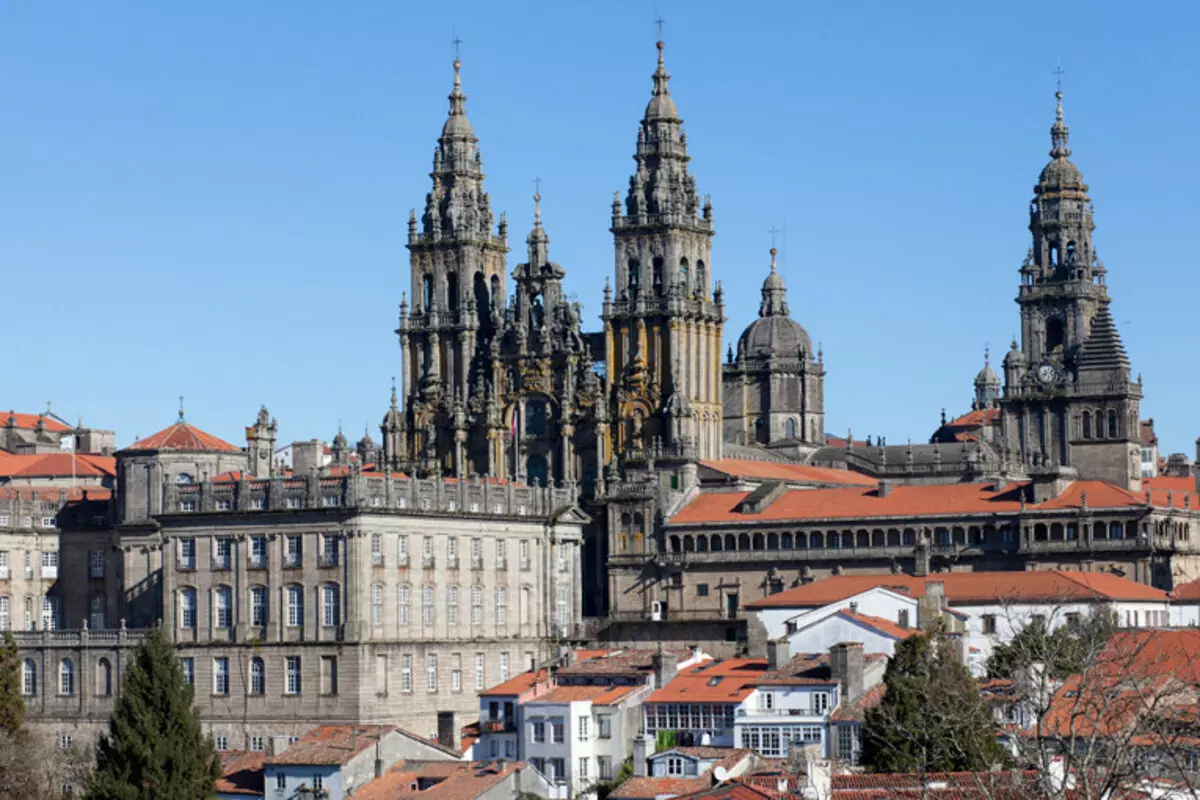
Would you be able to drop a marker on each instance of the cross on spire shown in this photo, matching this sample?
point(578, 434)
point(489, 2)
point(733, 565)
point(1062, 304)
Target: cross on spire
point(456, 42)
point(537, 185)
point(773, 231)
point(659, 22)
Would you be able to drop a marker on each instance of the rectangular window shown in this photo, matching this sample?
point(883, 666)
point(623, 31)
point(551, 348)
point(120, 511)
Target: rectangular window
point(604, 726)
point(377, 604)
point(605, 765)
point(222, 552)
point(427, 605)
point(477, 554)
point(583, 728)
point(989, 624)
point(189, 670)
point(820, 703)
point(501, 607)
point(406, 673)
point(1073, 621)
point(223, 602)
point(402, 551)
point(479, 677)
point(501, 554)
point(280, 782)
point(331, 605)
point(456, 673)
point(293, 555)
point(50, 616)
point(583, 768)
point(377, 549)
point(902, 618)
point(221, 675)
point(318, 782)
point(291, 672)
point(452, 605)
point(187, 553)
point(431, 672)
point(476, 605)
point(295, 606)
point(539, 731)
point(556, 727)
point(4, 613)
point(95, 564)
point(257, 744)
point(427, 551)
point(258, 605)
point(523, 549)
point(503, 667)
point(50, 564)
point(702, 590)
point(329, 675)
point(452, 552)
point(3, 565)
point(402, 605)
point(258, 552)
point(329, 550)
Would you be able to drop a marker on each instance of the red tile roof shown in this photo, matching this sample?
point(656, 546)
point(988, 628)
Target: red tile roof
point(56, 465)
point(598, 695)
point(518, 685)
point(89, 493)
point(443, 780)
point(331, 744)
point(856, 711)
point(972, 587)
point(733, 791)
point(721, 681)
point(840, 441)
point(976, 418)
point(241, 772)
point(619, 662)
point(1187, 591)
point(652, 787)
point(182, 436)
point(1179, 484)
point(799, 473)
point(879, 624)
point(30, 421)
point(945, 785)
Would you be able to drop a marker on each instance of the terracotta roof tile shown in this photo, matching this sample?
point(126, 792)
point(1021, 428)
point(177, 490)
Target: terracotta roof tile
point(78, 494)
point(331, 744)
point(879, 624)
point(652, 787)
point(856, 710)
point(241, 772)
point(598, 695)
point(947, 785)
point(971, 587)
point(733, 791)
point(182, 436)
point(56, 465)
point(976, 418)
point(1187, 591)
point(801, 473)
point(619, 662)
point(30, 421)
point(721, 681)
point(518, 685)
point(438, 780)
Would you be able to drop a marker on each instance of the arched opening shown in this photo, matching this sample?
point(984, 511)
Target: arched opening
point(863, 539)
point(535, 417)
point(452, 291)
point(483, 306)
point(701, 279)
point(760, 430)
point(743, 541)
point(909, 537)
point(626, 521)
point(878, 539)
point(639, 522)
point(258, 676)
point(66, 677)
point(497, 294)
point(1039, 532)
point(1116, 530)
point(772, 541)
point(730, 542)
point(1056, 532)
point(893, 537)
point(701, 544)
point(757, 542)
point(673, 544)
point(1087, 425)
point(1099, 531)
point(684, 276)
point(960, 535)
point(689, 544)
point(816, 540)
point(1070, 257)
point(790, 428)
point(1113, 432)
point(29, 677)
point(634, 275)
point(833, 540)
point(715, 543)
point(785, 541)
point(427, 291)
point(1054, 335)
point(537, 470)
point(847, 539)
point(658, 275)
point(103, 678)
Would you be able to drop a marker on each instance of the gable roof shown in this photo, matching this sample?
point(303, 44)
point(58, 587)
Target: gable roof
point(332, 744)
point(444, 780)
point(241, 772)
point(30, 421)
point(795, 473)
point(972, 587)
point(600, 695)
point(877, 624)
point(184, 437)
point(56, 465)
point(718, 681)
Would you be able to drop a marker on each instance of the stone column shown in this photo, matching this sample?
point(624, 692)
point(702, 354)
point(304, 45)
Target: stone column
point(241, 595)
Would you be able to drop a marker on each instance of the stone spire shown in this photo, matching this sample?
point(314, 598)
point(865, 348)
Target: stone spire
point(774, 293)
point(1059, 133)
point(538, 240)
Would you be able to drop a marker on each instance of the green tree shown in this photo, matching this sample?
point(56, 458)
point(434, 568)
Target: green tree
point(12, 707)
point(932, 718)
point(154, 748)
point(1066, 650)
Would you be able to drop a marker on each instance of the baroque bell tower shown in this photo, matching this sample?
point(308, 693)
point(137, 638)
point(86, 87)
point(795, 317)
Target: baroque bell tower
point(663, 327)
point(1068, 399)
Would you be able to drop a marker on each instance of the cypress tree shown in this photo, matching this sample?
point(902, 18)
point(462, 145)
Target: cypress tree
point(154, 748)
point(12, 706)
point(932, 718)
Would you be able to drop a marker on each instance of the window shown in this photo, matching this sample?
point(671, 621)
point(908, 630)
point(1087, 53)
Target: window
point(329, 550)
point(476, 605)
point(605, 765)
point(103, 686)
point(223, 607)
point(258, 552)
point(479, 677)
point(583, 728)
point(766, 700)
point(221, 675)
point(820, 702)
point(50, 615)
point(29, 678)
point(220, 742)
point(452, 605)
point(97, 618)
point(501, 606)
point(402, 551)
point(318, 782)
point(477, 553)
point(258, 676)
point(501, 554)
point(427, 605)
point(562, 607)
point(222, 552)
point(329, 675)
point(3, 563)
point(538, 729)
point(847, 744)
point(291, 672)
point(702, 590)
point(427, 551)
point(187, 553)
point(258, 605)
point(295, 606)
point(189, 670)
point(583, 768)
point(406, 673)
point(377, 604)
point(561, 550)
point(674, 766)
point(65, 740)
point(257, 744)
point(330, 605)
point(95, 564)
point(431, 672)
point(604, 726)
point(1038, 620)
point(456, 674)
point(377, 549)
point(49, 522)
point(50, 564)
point(402, 605)
point(4, 613)
point(187, 607)
point(293, 555)
point(1073, 622)
point(556, 727)
point(66, 677)
point(989, 624)
point(503, 667)
point(902, 618)
point(523, 549)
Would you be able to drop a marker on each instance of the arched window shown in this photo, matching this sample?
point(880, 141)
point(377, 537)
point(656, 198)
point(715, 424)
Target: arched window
point(1112, 424)
point(537, 470)
point(452, 291)
point(535, 417)
point(497, 293)
point(187, 607)
point(377, 604)
point(790, 427)
point(483, 306)
point(701, 279)
point(258, 676)
point(627, 522)
point(760, 430)
point(714, 543)
point(658, 275)
point(103, 678)
point(295, 606)
point(1087, 425)
point(730, 542)
point(183, 477)
point(331, 605)
point(743, 541)
point(635, 275)
point(427, 291)
point(1054, 334)
point(673, 544)
point(66, 677)
point(29, 678)
point(684, 275)
point(816, 541)
point(223, 607)
point(259, 610)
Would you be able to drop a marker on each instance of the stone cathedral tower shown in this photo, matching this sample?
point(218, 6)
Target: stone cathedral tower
point(1068, 398)
point(663, 328)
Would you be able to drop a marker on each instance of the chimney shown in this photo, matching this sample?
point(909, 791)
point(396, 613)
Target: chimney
point(931, 604)
point(885, 488)
point(378, 758)
point(853, 607)
point(640, 744)
point(665, 665)
point(846, 663)
point(306, 457)
point(921, 559)
point(773, 646)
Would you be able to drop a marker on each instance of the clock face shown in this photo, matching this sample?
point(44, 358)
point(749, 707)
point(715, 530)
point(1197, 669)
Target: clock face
point(1046, 373)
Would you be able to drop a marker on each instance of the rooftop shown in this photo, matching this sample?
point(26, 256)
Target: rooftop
point(30, 421)
point(598, 695)
point(972, 587)
point(719, 681)
point(619, 662)
point(794, 473)
point(241, 772)
point(184, 437)
point(332, 744)
point(444, 780)
point(56, 465)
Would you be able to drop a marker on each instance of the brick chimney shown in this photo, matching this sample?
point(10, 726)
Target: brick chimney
point(665, 665)
point(846, 663)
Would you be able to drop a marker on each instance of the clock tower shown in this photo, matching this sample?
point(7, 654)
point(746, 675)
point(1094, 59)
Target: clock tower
point(1068, 399)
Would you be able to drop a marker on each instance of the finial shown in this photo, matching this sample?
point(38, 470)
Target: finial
point(1059, 133)
point(181, 408)
point(986, 354)
point(772, 230)
point(1058, 73)
point(659, 22)
point(537, 202)
point(393, 391)
point(456, 42)
point(773, 252)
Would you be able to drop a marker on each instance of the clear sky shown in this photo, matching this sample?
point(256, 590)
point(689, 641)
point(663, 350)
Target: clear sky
point(210, 199)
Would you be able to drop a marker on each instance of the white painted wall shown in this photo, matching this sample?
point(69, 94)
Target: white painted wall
point(825, 633)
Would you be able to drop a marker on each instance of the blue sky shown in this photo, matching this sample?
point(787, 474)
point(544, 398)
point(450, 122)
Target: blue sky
point(209, 199)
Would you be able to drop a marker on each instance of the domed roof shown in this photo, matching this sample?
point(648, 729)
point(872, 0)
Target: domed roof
point(774, 337)
point(986, 375)
point(661, 106)
point(457, 123)
point(1061, 171)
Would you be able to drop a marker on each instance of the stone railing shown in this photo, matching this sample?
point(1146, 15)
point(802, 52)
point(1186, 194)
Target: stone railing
point(370, 492)
point(115, 637)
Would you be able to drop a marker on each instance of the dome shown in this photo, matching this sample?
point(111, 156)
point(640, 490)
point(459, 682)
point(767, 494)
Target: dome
point(775, 337)
point(986, 376)
point(661, 106)
point(1061, 171)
